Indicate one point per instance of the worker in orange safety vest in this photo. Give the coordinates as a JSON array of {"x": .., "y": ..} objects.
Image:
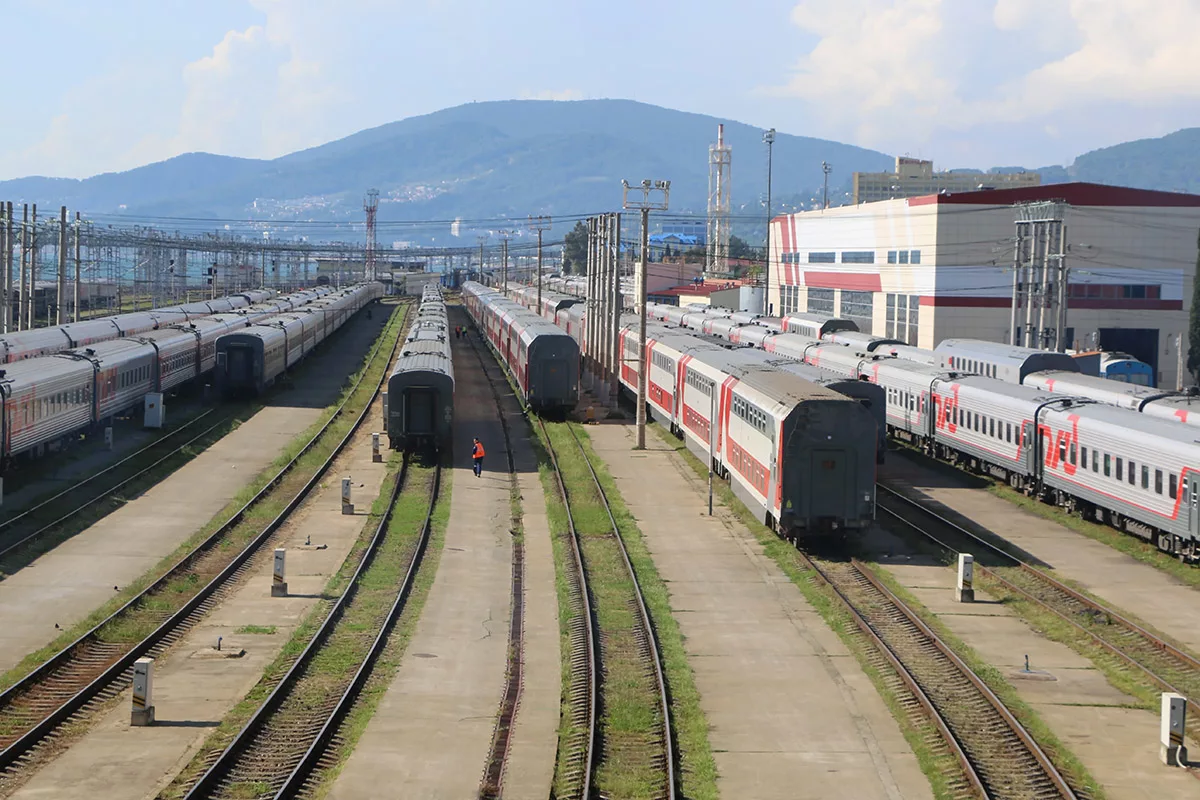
[{"x": 477, "y": 456}]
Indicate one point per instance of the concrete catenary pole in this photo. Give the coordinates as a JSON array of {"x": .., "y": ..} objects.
[
  {"x": 78, "y": 262},
  {"x": 60, "y": 286},
  {"x": 615, "y": 326},
  {"x": 643, "y": 362},
  {"x": 22, "y": 294},
  {"x": 1062, "y": 278},
  {"x": 604, "y": 297},
  {"x": 4, "y": 275},
  {"x": 1016, "y": 288},
  {"x": 31, "y": 303}
]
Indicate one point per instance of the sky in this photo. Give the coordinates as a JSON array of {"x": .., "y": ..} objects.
[{"x": 99, "y": 87}]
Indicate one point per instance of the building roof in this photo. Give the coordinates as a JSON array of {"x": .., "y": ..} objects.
[
  {"x": 1076, "y": 194},
  {"x": 697, "y": 289}
]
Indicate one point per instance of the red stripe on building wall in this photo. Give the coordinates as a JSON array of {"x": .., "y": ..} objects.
[
  {"x": 843, "y": 280},
  {"x": 957, "y": 301}
]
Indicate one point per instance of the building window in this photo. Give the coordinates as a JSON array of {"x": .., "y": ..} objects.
[
  {"x": 891, "y": 256},
  {"x": 859, "y": 307},
  {"x": 820, "y": 301},
  {"x": 902, "y": 317},
  {"x": 858, "y": 256},
  {"x": 789, "y": 300},
  {"x": 903, "y": 256},
  {"x": 914, "y": 256},
  {"x": 822, "y": 258}
]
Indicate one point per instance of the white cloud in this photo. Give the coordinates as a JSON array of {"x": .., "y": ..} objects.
[{"x": 902, "y": 73}]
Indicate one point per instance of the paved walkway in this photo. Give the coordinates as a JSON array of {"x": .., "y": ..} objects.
[
  {"x": 790, "y": 712},
  {"x": 1118, "y": 745},
  {"x": 1121, "y": 581},
  {"x": 194, "y": 685},
  {"x": 432, "y": 731},
  {"x": 66, "y": 584}
]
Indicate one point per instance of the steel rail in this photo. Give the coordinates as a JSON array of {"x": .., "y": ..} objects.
[
  {"x": 590, "y": 624},
  {"x": 1156, "y": 642},
  {"x": 1043, "y": 761},
  {"x": 31, "y": 738}
]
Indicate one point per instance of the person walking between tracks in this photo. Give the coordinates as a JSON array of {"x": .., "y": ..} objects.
[{"x": 477, "y": 456}]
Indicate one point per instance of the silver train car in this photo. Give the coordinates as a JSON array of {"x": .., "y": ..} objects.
[
  {"x": 421, "y": 387},
  {"x": 250, "y": 360}
]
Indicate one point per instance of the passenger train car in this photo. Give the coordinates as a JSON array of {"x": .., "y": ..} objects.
[
  {"x": 421, "y": 387},
  {"x": 251, "y": 359},
  {"x": 542, "y": 358},
  {"x": 20, "y": 345},
  {"x": 47, "y": 398}
]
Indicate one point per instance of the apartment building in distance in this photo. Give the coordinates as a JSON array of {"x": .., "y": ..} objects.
[
  {"x": 936, "y": 267},
  {"x": 914, "y": 178}
]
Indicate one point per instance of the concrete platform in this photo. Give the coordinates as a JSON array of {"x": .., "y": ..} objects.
[
  {"x": 790, "y": 713},
  {"x": 72, "y": 580},
  {"x": 195, "y": 686},
  {"x": 1121, "y": 581},
  {"x": 1118, "y": 745},
  {"x": 432, "y": 731}
]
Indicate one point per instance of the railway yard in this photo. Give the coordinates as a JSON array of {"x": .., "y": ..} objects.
[{"x": 300, "y": 586}]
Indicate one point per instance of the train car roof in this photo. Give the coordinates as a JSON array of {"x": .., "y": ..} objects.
[{"x": 1024, "y": 359}]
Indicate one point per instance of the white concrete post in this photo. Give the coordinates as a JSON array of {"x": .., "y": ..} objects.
[
  {"x": 1174, "y": 717},
  {"x": 385, "y": 412},
  {"x": 279, "y": 576},
  {"x": 965, "y": 591},
  {"x": 143, "y": 693},
  {"x": 108, "y": 437},
  {"x": 376, "y": 456},
  {"x": 347, "y": 506}
]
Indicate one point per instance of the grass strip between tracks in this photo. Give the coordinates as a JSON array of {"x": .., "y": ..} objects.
[
  {"x": 935, "y": 763},
  {"x": 342, "y": 652},
  {"x": 627, "y": 709},
  {"x": 1127, "y": 543},
  {"x": 135, "y": 626}
]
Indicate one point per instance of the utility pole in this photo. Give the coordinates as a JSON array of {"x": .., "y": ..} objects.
[
  {"x": 4, "y": 274},
  {"x": 78, "y": 237},
  {"x": 645, "y": 205},
  {"x": 22, "y": 293},
  {"x": 31, "y": 286},
  {"x": 826, "y": 168},
  {"x": 481, "y": 240},
  {"x": 720, "y": 207},
  {"x": 614, "y": 364},
  {"x": 371, "y": 206},
  {"x": 1179, "y": 362},
  {"x": 60, "y": 287},
  {"x": 504, "y": 262},
  {"x": 539, "y": 224},
  {"x": 1040, "y": 224},
  {"x": 769, "y": 140}
]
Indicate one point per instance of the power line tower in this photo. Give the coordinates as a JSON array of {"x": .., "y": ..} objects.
[
  {"x": 645, "y": 204},
  {"x": 539, "y": 224},
  {"x": 720, "y": 160},
  {"x": 371, "y": 206}
]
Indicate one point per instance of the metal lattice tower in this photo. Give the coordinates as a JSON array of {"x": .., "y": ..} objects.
[
  {"x": 720, "y": 159},
  {"x": 371, "y": 205}
]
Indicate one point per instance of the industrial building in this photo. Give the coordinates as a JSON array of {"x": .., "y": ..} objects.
[
  {"x": 914, "y": 178},
  {"x": 940, "y": 266}
]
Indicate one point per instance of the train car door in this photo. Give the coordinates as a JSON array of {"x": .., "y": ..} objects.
[
  {"x": 1193, "y": 503},
  {"x": 554, "y": 378},
  {"x": 832, "y": 478},
  {"x": 419, "y": 411},
  {"x": 1028, "y": 450}
]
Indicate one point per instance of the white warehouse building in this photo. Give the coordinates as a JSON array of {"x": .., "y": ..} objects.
[{"x": 924, "y": 269}]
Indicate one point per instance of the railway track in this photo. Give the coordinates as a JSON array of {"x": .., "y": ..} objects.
[
  {"x": 1162, "y": 663},
  {"x": 29, "y": 526},
  {"x": 594, "y": 653},
  {"x": 82, "y": 677},
  {"x": 998, "y": 757},
  {"x": 491, "y": 786},
  {"x": 277, "y": 752}
]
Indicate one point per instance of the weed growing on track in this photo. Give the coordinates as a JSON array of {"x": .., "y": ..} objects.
[
  {"x": 257, "y": 630},
  {"x": 628, "y": 711},
  {"x": 937, "y": 765},
  {"x": 254, "y": 521}
]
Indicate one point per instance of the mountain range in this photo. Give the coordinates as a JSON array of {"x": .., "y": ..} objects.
[{"x": 514, "y": 158}]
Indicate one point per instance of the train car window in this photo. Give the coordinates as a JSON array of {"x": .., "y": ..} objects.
[
  {"x": 1146, "y": 479},
  {"x": 1095, "y": 463},
  {"x": 1073, "y": 454},
  {"x": 1120, "y": 464},
  {"x": 1132, "y": 473},
  {"x": 992, "y": 428},
  {"x": 1083, "y": 457},
  {"x": 1062, "y": 450},
  {"x": 1107, "y": 465},
  {"x": 1173, "y": 486},
  {"x": 1158, "y": 481}
]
